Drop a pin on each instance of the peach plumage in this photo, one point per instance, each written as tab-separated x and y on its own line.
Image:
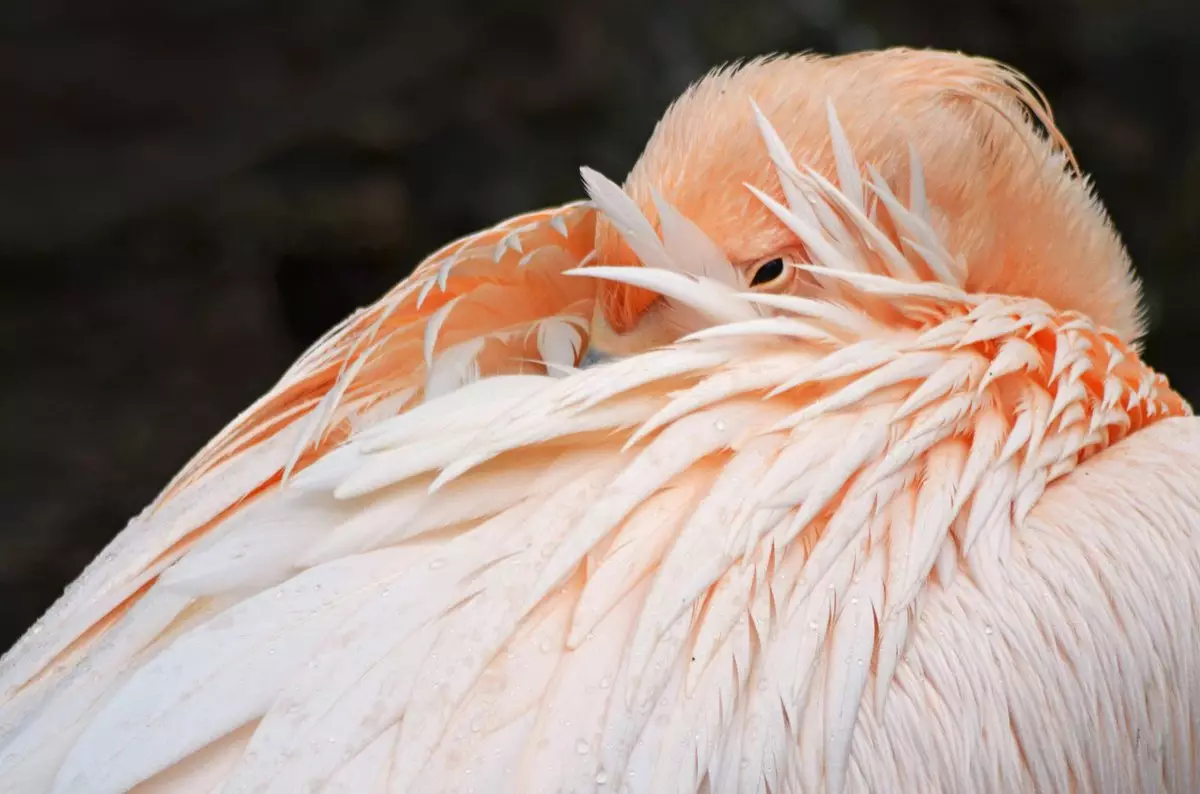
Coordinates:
817	458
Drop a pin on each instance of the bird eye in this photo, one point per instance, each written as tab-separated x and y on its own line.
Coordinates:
775	273
767	272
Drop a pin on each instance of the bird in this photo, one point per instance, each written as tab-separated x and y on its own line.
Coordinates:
818	456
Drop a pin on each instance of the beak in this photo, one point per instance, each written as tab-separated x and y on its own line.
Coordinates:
653	329
593	357
604	344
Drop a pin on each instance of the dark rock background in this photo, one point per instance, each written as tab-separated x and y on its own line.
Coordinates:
191	193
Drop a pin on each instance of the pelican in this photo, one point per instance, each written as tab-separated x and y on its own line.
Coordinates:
819	456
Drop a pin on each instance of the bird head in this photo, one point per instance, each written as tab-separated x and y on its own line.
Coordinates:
1003	193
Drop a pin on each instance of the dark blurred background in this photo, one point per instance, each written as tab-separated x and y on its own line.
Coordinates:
190	193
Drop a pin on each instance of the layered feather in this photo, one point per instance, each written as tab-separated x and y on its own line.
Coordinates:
690	568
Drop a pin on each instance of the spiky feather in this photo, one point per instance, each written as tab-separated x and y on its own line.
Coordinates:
690	568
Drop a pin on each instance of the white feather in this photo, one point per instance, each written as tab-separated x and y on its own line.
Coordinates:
635	552
628	219
472	406
454	368
814	240
689	248
789	175
849	178
917	232
559	341
257	549
434	325
877	241
219	676
711	298
702	550
139	554
850	652
671	452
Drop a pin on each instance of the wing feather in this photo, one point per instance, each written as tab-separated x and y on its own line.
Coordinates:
222	674
437	550
230	468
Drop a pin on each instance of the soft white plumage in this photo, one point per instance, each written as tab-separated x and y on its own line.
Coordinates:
881	539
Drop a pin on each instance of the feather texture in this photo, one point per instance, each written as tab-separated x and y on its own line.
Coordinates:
667	505
437	556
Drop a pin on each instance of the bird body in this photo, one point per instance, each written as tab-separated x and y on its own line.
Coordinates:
867	490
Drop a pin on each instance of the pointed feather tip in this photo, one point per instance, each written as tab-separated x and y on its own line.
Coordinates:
849	178
775	146
812	237
586	272
627	218
551	577
776	149
594	181
611	199
633	276
917	201
451	473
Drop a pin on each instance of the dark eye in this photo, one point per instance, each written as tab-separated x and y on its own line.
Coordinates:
767	272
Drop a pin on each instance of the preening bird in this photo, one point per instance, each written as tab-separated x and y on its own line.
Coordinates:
819	457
